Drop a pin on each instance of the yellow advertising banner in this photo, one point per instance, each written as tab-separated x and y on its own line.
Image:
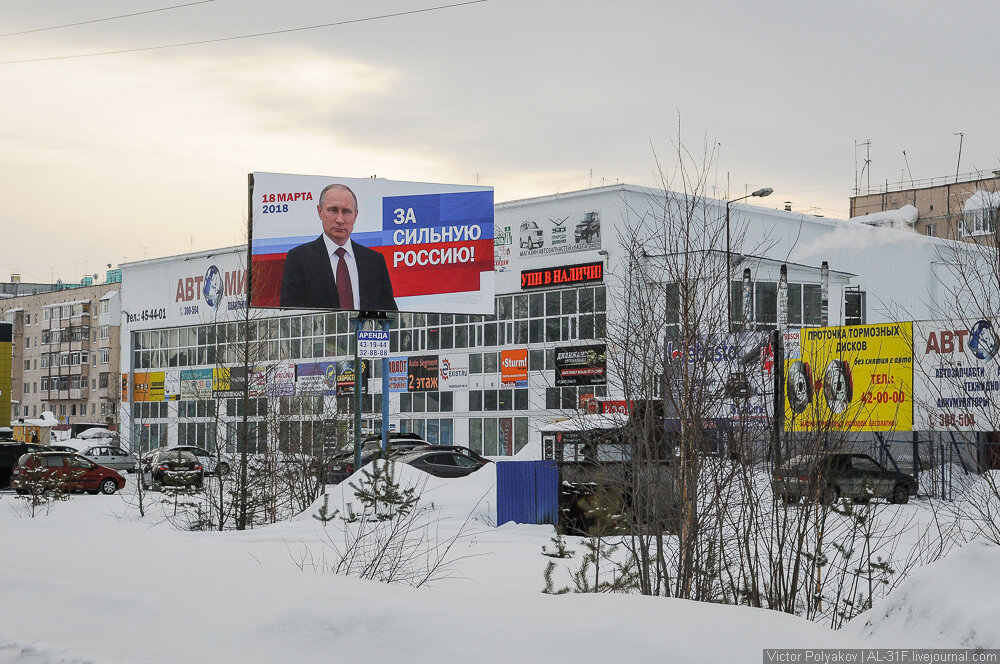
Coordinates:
857	378
221	379
156	383
148	385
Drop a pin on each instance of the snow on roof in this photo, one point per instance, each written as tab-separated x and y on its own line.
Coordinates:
14	310
982	200
96	432
109	295
65	304
893	218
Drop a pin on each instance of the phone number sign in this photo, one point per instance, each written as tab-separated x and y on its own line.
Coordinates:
373	343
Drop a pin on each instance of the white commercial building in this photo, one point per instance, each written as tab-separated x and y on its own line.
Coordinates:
560	264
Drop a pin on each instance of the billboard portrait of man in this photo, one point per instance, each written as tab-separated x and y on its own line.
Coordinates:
382	246
333	271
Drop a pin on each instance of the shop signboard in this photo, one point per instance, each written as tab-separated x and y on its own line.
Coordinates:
454	372
514	367
956	375
581	365
855	378
422	373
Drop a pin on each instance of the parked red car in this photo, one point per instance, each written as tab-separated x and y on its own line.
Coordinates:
43	471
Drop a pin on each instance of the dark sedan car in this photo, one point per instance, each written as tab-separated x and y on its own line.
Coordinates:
442	463
38	472
172	467
10	452
342	465
831	476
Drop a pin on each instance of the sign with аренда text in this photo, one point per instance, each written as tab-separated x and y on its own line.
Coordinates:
562	276
373	343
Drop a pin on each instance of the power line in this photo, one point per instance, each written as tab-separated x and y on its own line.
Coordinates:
251	36
109	18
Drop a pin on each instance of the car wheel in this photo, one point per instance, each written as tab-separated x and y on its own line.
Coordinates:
900	495
108	486
790	499
224	468
831	494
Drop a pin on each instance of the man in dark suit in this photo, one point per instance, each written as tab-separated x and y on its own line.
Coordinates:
333	271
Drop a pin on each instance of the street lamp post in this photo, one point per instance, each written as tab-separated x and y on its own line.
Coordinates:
760	193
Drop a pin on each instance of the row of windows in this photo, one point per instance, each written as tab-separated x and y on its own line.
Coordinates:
426	402
55	383
63	383
56	311
554	316
66	335
63	409
491	436
498	436
73	359
503	399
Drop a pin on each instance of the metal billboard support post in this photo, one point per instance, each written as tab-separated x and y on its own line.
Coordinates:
360	321
386	325
779	396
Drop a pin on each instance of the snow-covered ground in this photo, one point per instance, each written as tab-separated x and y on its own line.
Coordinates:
92	582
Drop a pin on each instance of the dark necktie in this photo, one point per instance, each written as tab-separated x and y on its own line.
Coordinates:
344	292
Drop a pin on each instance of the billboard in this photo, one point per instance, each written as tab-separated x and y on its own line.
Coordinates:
514	367
233	381
730	377
454	372
956	376
422	373
560	235
856	378
196	384
581	365
281	381
205	288
399	368
410	246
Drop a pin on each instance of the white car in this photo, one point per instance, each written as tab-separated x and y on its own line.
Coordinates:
111	456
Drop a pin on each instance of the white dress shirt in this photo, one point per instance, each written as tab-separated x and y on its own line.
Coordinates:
352	267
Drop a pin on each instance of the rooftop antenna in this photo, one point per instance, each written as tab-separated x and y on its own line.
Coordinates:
867	144
961	137
908	171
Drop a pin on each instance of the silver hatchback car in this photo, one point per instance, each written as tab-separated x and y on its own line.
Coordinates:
111	456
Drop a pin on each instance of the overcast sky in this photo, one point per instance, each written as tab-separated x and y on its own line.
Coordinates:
112	158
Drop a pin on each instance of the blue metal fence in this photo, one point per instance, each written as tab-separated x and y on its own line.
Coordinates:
528	492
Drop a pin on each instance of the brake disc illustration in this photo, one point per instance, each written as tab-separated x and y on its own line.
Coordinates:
838	386
800	386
